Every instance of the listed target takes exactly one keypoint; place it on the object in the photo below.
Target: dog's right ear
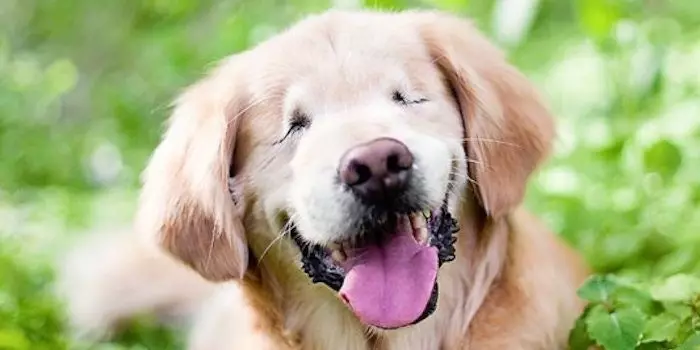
(507, 127)
(185, 199)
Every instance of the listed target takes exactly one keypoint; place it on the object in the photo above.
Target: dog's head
(360, 134)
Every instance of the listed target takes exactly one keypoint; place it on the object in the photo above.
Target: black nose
(377, 171)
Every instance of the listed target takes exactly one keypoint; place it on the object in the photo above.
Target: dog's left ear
(508, 130)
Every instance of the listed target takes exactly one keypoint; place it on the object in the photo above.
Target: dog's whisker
(481, 139)
(480, 145)
(286, 229)
(210, 252)
(464, 177)
(250, 105)
(264, 164)
(231, 124)
(272, 243)
(459, 176)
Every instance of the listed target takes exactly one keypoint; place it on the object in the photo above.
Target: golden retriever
(354, 182)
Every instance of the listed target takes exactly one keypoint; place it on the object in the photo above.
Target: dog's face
(374, 157)
(360, 135)
(388, 140)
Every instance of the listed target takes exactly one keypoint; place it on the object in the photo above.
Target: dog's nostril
(392, 163)
(377, 170)
(396, 163)
(361, 174)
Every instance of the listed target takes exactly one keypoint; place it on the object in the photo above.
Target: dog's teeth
(420, 228)
(339, 252)
(344, 246)
(417, 221)
(334, 246)
(421, 235)
(338, 255)
(426, 213)
(404, 223)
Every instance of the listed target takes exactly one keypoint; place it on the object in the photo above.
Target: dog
(354, 182)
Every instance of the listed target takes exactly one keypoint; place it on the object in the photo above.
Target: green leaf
(692, 343)
(661, 328)
(683, 313)
(679, 287)
(664, 158)
(632, 295)
(578, 337)
(652, 346)
(617, 330)
(597, 288)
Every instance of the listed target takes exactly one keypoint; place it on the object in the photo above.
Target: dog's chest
(331, 326)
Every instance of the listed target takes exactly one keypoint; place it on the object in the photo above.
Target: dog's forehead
(360, 32)
(335, 60)
(341, 58)
(342, 47)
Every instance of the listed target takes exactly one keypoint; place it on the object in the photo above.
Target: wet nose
(378, 170)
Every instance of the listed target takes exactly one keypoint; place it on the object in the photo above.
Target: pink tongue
(389, 286)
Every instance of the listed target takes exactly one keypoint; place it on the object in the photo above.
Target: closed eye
(297, 122)
(400, 98)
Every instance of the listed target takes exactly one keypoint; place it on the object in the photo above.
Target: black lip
(430, 307)
(320, 267)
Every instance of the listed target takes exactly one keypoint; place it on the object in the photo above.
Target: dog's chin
(387, 272)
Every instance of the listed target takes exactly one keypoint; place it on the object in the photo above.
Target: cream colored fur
(512, 285)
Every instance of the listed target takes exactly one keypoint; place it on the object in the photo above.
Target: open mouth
(387, 277)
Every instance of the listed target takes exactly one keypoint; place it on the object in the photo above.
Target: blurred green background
(85, 87)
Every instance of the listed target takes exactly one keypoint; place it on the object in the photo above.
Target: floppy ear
(508, 130)
(185, 199)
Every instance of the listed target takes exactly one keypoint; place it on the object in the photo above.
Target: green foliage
(619, 329)
(29, 316)
(85, 85)
(664, 314)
